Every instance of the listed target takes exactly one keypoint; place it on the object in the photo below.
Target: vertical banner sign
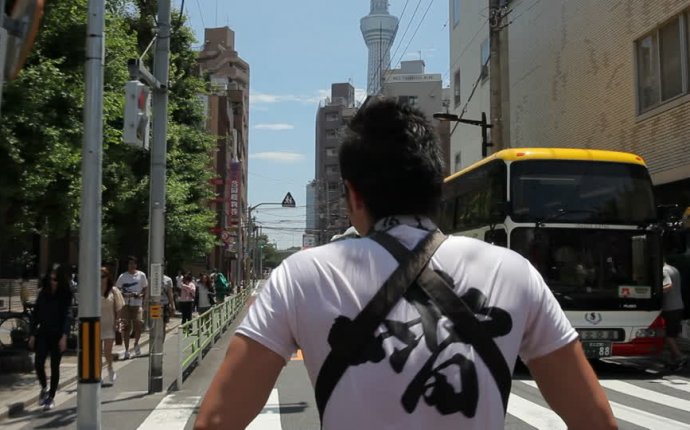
(235, 174)
(156, 280)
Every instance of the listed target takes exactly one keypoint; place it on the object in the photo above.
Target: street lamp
(446, 116)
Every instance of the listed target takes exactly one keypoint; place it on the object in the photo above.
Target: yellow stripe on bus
(521, 154)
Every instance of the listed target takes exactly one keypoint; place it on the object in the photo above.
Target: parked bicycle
(15, 327)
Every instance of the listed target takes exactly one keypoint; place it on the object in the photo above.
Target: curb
(14, 409)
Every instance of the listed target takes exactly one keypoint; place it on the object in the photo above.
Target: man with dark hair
(133, 285)
(404, 328)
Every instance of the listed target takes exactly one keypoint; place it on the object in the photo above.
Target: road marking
(533, 414)
(676, 384)
(632, 415)
(171, 413)
(269, 418)
(647, 395)
(645, 419)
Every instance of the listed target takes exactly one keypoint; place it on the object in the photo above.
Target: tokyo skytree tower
(379, 29)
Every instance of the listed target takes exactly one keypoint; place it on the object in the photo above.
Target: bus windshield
(572, 191)
(594, 269)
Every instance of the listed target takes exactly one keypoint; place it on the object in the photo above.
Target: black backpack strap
(465, 324)
(348, 338)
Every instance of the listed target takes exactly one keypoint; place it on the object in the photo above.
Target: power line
(201, 13)
(462, 52)
(415, 31)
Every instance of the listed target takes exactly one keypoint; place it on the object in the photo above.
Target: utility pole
(89, 366)
(496, 15)
(161, 66)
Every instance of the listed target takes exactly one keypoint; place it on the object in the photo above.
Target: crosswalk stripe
(533, 414)
(676, 384)
(645, 419)
(269, 418)
(636, 416)
(171, 413)
(647, 395)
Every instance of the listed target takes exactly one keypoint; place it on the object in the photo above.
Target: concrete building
(378, 29)
(411, 84)
(588, 74)
(331, 117)
(309, 237)
(228, 119)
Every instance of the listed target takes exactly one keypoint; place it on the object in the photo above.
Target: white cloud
(360, 94)
(263, 98)
(274, 127)
(279, 157)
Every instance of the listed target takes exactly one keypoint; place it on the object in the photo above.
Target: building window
(485, 53)
(331, 169)
(458, 161)
(330, 132)
(331, 152)
(456, 13)
(332, 186)
(332, 116)
(662, 70)
(456, 87)
(410, 100)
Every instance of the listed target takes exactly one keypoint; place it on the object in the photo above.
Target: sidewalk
(19, 391)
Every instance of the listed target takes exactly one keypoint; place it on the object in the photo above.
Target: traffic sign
(225, 236)
(288, 201)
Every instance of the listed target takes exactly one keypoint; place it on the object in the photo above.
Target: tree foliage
(41, 139)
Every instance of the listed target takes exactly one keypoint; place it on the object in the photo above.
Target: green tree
(41, 138)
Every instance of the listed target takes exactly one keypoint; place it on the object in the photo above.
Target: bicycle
(15, 327)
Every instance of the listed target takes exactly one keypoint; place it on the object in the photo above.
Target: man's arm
(571, 388)
(241, 387)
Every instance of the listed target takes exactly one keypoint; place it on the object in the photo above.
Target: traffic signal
(137, 114)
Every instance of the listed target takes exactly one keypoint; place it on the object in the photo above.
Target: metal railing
(198, 334)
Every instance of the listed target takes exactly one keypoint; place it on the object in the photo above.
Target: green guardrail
(196, 335)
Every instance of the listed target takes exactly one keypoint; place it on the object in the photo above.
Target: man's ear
(353, 196)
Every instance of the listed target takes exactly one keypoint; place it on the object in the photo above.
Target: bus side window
(497, 236)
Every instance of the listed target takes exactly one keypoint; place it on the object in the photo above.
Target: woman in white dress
(111, 304)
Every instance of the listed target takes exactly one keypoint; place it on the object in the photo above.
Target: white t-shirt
(167, 286)
(673, 298)
(203, 292)
(299, 303)
(129, 283)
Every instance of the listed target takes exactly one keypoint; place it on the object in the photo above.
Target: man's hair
(391, 156)
(132, 259)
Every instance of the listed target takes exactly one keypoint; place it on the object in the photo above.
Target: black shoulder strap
(465, 324)
(348, 338)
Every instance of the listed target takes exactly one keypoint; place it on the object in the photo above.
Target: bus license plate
(597, 349)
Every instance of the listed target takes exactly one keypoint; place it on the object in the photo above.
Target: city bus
(586, 219)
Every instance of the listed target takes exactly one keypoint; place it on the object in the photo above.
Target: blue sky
(296, 50)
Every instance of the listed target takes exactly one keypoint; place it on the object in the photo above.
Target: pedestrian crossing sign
(288, 201)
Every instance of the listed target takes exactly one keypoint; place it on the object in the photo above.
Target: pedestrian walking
(50, 327)
(205, 294)
(222, 287)
(167, 299)
(112, 303)
(187, 295)
(672, 312)
(404, 328)
(133, 285)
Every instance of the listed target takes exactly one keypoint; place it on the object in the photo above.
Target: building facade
(587, 74)
(331, 118)
(411, 84)
(228, 120)
(378, 29)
